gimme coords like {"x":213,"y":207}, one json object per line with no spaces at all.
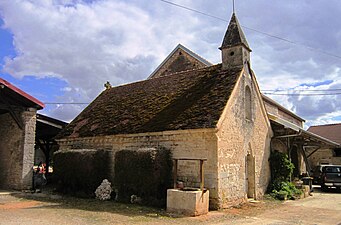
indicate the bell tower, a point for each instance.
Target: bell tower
{"x":235,"y":49}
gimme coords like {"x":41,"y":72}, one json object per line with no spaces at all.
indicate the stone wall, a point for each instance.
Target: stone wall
{"x":178,"y":62}
{"x":196,"y":143}
{"x":239,"y":138}
{"x":10,"y":154}
{"x":323,"y":156}
{"x":29,"y":118}
{"x":17,"y":151}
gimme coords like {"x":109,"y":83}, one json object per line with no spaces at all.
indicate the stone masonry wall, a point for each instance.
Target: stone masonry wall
{"x":17,"y":151}
{"x":197,"y":143}
{"x":29,"y":118}
{"x":179,"y":61}
{"x":238,"y":137}
{"x":10,"y":154}
{"x":323,"y":156}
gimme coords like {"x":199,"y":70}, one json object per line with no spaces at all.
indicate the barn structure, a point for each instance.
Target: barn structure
{"x":17,"y":134}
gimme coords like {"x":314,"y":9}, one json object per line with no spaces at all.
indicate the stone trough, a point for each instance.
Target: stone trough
{"x":188,"y":202}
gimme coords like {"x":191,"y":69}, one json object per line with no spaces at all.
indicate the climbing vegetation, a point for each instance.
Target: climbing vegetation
{"x":281,"y":171}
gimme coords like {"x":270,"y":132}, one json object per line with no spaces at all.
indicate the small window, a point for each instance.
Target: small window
{"x":337,"y":152}
{"x":248,"y":103}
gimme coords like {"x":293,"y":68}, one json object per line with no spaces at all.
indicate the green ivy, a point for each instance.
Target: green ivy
{"x":145,"y":173}
{"x":281,"y":171}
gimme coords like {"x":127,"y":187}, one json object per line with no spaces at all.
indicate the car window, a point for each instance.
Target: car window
{"x":332,"y":169}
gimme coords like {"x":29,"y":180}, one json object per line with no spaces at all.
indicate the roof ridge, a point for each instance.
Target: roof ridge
{"x":330,"y":124}
{"x":176,"y":73}
{"x":196,"y":55}
{"x":186,"y":71}
{"x":195,"y":99}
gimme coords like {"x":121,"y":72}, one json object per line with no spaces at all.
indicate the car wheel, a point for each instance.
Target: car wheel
{"x":324,"y":188}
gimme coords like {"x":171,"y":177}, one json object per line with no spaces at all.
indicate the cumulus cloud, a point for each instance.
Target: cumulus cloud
{"x":86,"y":43}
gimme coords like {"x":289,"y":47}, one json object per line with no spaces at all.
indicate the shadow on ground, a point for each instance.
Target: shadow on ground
{"x":52,"y":200}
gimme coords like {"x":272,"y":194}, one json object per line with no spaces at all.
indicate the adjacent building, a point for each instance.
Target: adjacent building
{"x":327,"y":155}
{"x":18,"y":112}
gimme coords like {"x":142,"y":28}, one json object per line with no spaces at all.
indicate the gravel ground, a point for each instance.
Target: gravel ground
{"x":20,"y":208}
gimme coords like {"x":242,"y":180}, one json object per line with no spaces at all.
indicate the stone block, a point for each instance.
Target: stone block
{"x":306,"y":190}
{"x":189,"y":203}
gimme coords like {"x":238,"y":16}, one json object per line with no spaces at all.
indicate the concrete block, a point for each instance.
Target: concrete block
{"x":189,"y":203}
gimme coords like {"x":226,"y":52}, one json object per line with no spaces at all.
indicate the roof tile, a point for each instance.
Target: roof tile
{"x":329,"y":131}
{"x":185,"y":100}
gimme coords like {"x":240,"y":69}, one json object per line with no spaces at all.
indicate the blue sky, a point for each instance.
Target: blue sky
{"x":65,"y":50}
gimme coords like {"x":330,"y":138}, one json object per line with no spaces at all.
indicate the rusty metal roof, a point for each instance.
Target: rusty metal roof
{"x":15,"y":96}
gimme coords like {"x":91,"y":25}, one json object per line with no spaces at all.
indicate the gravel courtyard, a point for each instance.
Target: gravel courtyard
{"x":19,"y":208}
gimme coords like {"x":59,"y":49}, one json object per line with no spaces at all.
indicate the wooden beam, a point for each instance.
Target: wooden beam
{"x":315,"y":150}
{"x":175,"y":172}
{"x":201,"y":174}
{"x":301,"y":148}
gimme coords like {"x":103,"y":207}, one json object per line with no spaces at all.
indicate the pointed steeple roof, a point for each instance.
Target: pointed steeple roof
{"x":234,"y":35}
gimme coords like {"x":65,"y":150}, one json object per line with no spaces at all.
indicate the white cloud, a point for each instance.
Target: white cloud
{"x":87,"y":44}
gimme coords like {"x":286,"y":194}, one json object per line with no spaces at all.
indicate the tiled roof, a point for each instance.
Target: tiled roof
{"x":330,"y":131}
{"x":186,"y":100}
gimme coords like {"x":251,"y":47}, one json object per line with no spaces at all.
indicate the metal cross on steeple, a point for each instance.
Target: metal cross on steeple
{"x":233,"y":6}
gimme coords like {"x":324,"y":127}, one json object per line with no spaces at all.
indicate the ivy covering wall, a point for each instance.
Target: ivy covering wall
{"x":144,"y":173}
{"x":80,"y":172}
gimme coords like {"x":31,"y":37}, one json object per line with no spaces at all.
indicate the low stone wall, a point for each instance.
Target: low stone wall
{"x":197,"y":143}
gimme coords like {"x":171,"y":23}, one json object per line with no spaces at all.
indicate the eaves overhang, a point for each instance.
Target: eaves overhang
{"x":299,"y":132}
{"x":9,"y":89}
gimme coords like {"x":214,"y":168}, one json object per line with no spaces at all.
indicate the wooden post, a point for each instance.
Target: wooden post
{"x":175,"y":172}
{"x":201,"y":174}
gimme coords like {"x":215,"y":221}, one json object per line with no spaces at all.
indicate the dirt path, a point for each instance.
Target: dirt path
{"x":322,"y":208}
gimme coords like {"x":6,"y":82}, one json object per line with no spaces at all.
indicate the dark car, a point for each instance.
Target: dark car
{"x":317,"y":174}
{"x":330,"y":176}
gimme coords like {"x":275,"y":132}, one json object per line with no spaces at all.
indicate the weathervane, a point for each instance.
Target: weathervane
{"x":233,"y":5}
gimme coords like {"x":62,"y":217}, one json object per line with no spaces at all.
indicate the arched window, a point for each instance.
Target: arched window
{"x":248,"y":103}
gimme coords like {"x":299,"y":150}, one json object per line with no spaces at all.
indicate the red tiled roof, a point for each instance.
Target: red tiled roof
{"x":28,"y":101}
{"x":330,"y":131}
{"x":187,"y":100}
